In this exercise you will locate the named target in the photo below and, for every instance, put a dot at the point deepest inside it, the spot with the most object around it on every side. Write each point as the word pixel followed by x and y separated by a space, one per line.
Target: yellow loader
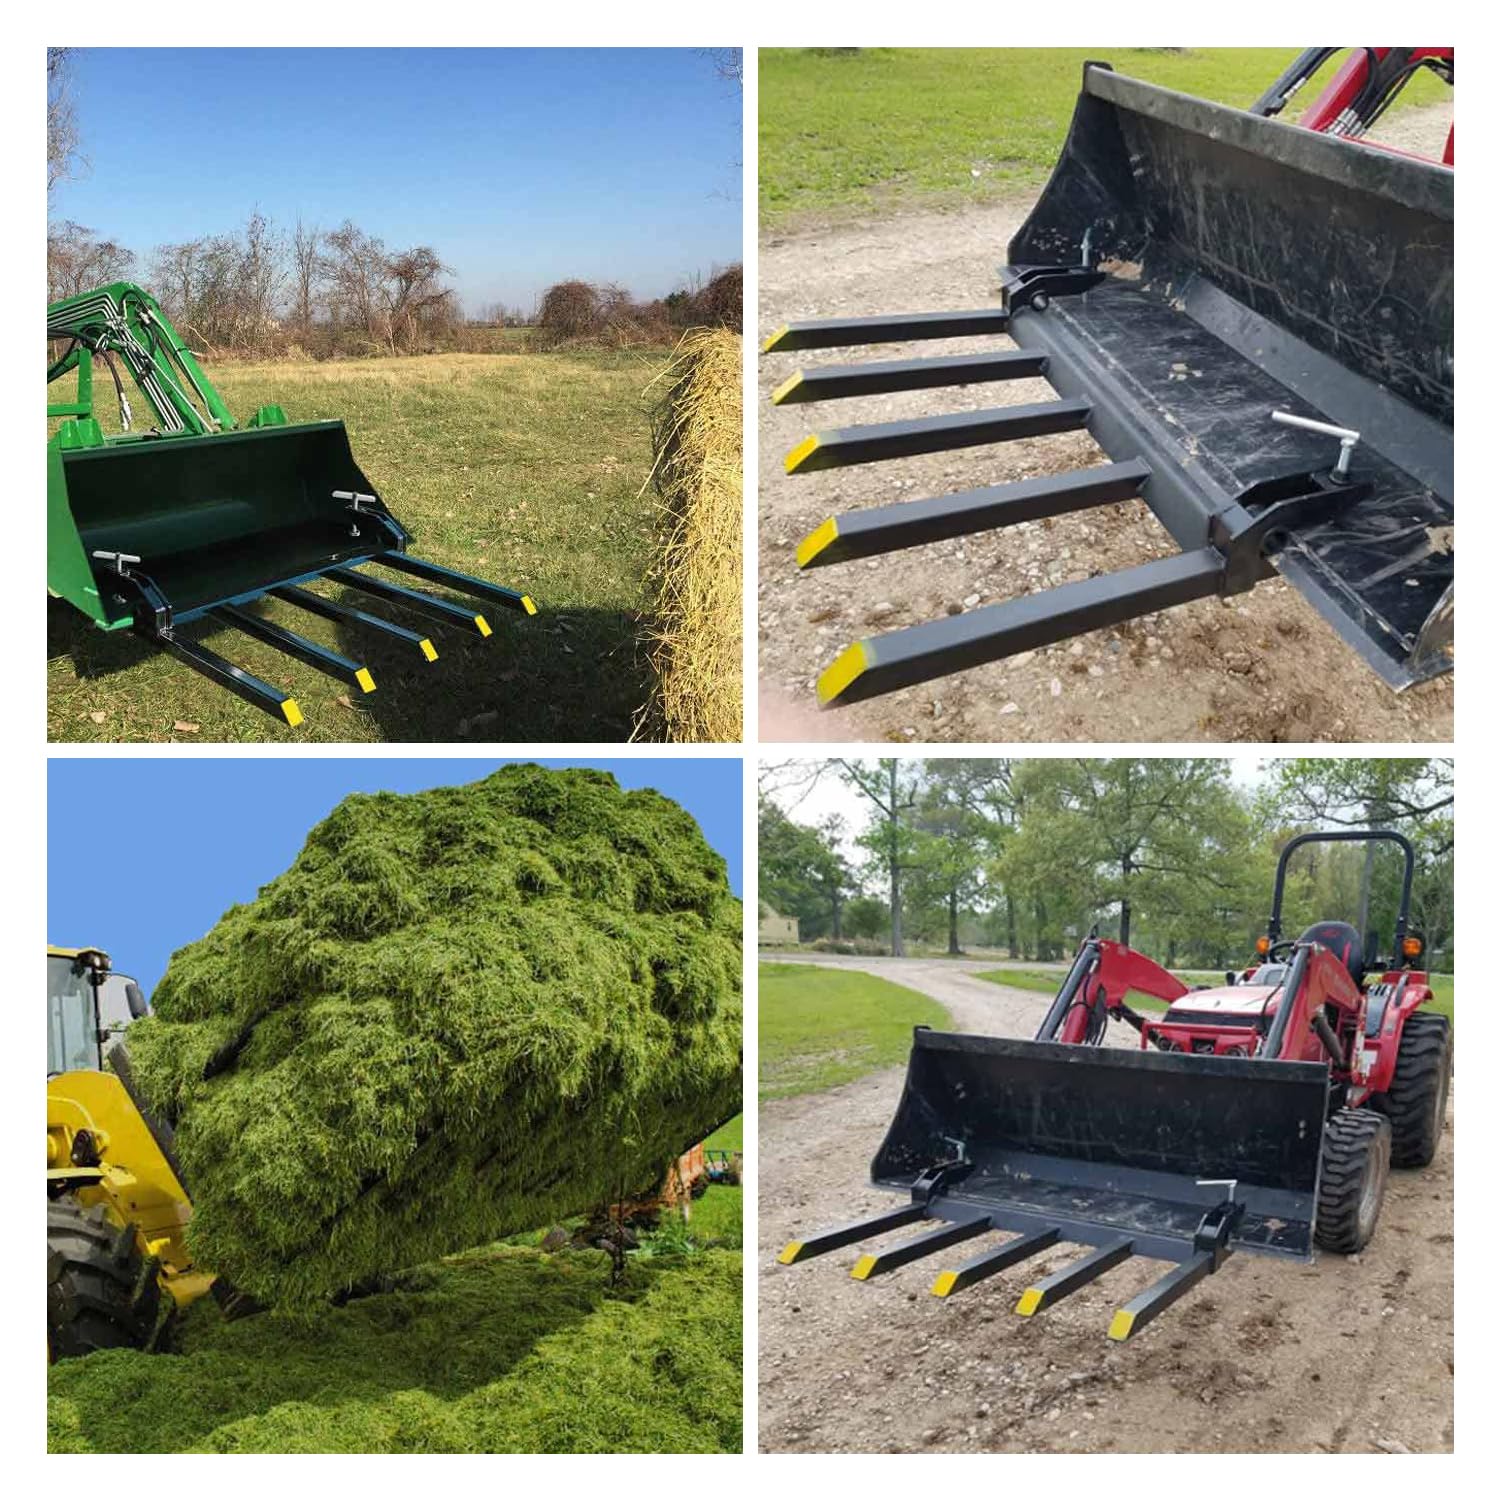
pixel 117 1208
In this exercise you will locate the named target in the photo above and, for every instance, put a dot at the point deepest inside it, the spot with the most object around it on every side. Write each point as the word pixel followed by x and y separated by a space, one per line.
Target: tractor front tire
pixel 1416 1103
pixel 101 1292
pixel 1356 1163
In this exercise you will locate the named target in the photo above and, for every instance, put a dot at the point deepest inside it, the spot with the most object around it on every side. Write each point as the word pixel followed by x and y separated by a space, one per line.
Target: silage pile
pixel 697 630
pixel 459 1015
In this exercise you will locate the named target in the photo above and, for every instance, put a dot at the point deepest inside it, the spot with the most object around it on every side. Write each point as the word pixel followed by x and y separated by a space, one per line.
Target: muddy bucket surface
pixel 213 520
pixel 1103 1141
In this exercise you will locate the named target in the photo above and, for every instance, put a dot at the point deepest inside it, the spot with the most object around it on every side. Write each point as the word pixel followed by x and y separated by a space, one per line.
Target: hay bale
pixel 696 631
pixel 459 1015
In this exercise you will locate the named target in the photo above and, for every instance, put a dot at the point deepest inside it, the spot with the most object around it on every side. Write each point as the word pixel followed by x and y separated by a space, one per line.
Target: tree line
pixel 259 291
pixel 1171 856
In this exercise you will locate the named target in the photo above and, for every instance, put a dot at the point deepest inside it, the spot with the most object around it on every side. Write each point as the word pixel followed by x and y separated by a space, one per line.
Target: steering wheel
pixel 1280 953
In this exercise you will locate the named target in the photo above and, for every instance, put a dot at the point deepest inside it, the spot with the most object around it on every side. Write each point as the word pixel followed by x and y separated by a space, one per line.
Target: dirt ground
pixel 1346 1355
pixel 1262 666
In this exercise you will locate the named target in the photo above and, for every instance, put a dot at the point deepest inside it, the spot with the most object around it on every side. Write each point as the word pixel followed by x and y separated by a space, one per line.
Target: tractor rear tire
pixel 101 1292
pixel 1356 1163
pixel 1416 1103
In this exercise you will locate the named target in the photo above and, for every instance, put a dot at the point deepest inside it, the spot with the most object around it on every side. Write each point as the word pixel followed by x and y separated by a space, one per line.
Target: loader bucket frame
pixel 197 518
pixel 1254 321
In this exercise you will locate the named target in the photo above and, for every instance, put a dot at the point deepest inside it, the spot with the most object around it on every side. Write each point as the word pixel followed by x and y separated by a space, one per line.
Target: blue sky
pixel 145 855
pixel 519 167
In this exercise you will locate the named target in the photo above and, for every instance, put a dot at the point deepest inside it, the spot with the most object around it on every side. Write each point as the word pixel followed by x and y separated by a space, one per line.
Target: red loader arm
pixel 1117 970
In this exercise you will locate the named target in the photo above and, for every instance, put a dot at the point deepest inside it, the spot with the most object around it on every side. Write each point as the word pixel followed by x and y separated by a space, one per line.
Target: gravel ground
pixel 1263 666
pixel 1345 1355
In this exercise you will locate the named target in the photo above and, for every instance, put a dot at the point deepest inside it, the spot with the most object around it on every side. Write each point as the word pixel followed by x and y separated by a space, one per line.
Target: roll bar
pixel 1347 836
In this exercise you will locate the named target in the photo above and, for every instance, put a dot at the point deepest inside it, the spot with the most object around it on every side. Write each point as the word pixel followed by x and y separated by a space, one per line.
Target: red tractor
pixel 1261 1115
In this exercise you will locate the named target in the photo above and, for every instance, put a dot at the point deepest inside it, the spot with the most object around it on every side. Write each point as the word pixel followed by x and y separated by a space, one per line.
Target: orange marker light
pixel 1262 944
pixel 1411 947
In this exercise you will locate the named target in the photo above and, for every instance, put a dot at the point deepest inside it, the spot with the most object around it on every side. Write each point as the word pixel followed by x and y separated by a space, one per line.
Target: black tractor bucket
pixel 1254 321
pixel 153 534
pixel 1157 1155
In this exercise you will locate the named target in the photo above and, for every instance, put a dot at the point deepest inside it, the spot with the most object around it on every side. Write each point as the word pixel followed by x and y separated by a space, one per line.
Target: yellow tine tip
pixel 800 453
pixel 365 681
pixel 1121 1325
pixel 482 625
pixel 785 389
pixel 840 672
pixel 790 1253
pixel 1031 1300
pixel 527 604
pixel 290 712
pixel 817 541
pixel 429 650
pixel 944 1284
pixel 863 1268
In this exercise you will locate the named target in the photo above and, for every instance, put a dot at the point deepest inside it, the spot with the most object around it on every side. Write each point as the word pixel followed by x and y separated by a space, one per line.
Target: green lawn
pixel 844 131
pixel 730 1137
pixel 718 1219
pixel 820 1027
pixel 1047 983
pixel 525 469
pixel 503 1349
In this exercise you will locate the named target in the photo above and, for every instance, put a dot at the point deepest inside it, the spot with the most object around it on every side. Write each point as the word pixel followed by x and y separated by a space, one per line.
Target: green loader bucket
pixel 212 520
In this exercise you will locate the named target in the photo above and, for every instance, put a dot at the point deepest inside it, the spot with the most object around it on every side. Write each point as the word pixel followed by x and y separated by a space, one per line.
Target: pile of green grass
pixel 499 1350
pixel 821 1026
pixel 457 1016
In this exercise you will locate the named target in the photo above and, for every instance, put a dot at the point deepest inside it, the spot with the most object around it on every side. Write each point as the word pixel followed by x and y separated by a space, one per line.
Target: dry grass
pixel 696 632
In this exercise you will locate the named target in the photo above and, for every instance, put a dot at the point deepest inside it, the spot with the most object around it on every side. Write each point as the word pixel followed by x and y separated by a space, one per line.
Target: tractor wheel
pixel 1416 1103
pixel 1356 1163
pixel 101 1292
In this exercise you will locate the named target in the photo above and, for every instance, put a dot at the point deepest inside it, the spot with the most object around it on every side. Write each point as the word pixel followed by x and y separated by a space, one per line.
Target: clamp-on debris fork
pixel 1164 286
pixel 200 519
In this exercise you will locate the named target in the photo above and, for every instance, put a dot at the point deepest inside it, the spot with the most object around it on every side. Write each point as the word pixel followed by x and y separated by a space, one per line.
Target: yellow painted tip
pixel 1031 1300
pixel 365 681
pixel 527 605
pixel 775 339
pixel 839 673
pixel 1120 1325
pixel 800 452
pixel 482 625
pixel 428 650
pixel 291 712
pixel 944 1284
pixel 791 1252
pixel 815 541
pixel 786 387
pixel 863 1267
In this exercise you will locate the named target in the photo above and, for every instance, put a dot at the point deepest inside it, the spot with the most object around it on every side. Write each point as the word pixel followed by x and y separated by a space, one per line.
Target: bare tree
pixel 62 117
pixel 78 260
pixel 414 298
pixel 354 266
pixel 307 274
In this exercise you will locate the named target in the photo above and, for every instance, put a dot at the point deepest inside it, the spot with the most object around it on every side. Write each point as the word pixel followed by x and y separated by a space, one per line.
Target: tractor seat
pixel 1343 942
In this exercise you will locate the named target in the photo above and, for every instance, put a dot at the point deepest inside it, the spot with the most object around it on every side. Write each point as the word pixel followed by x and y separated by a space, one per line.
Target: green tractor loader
pixel 193 517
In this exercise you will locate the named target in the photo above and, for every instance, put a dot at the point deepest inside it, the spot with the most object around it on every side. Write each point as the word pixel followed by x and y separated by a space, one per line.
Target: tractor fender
pixel 1386 1043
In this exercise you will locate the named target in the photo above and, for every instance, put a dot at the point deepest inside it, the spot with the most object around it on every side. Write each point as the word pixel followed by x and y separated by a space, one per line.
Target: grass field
pixel 1048 983
pixel 844 131
pixel 821 1027
pixel 503 1349
pixel 522 469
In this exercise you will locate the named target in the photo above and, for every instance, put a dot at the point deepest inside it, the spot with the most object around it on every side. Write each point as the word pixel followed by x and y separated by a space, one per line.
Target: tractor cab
pixel 88 1006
